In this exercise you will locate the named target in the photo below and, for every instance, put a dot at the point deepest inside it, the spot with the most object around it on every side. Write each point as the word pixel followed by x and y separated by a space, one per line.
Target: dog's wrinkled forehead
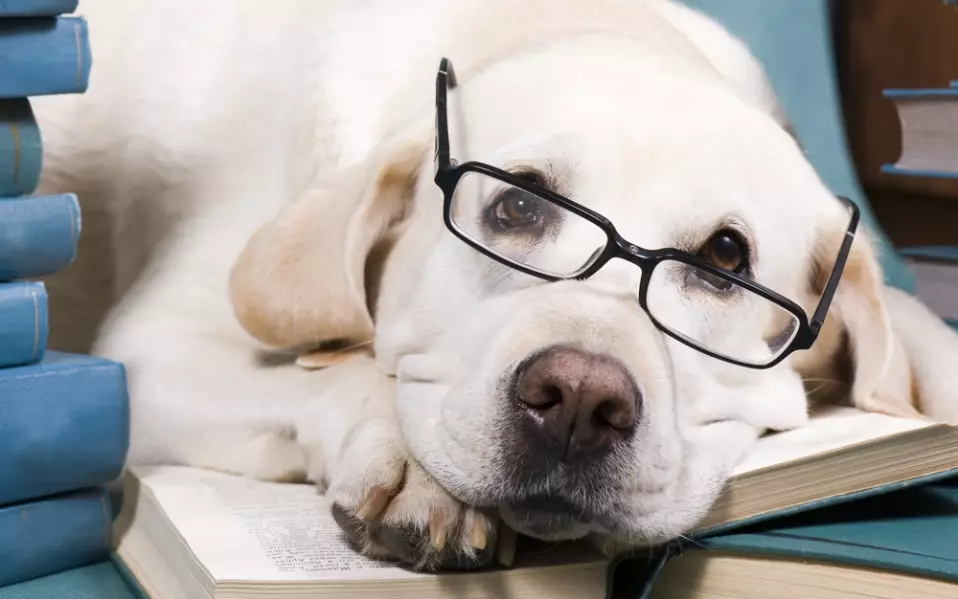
pixel 664 167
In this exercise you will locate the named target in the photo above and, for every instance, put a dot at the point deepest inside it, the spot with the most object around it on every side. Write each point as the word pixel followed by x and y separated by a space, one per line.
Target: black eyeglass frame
pixel 448 172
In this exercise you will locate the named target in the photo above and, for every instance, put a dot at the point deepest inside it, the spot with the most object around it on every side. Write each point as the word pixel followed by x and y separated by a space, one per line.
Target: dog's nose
pixel 577 404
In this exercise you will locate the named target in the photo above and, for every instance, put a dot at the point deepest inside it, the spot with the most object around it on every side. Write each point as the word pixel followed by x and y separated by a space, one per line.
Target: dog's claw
pixel 477 535
pixel 438 530
pixel 373 505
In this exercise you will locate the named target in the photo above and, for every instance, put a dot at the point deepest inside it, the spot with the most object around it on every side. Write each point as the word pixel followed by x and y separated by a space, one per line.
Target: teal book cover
pixel 44 56
pixel 21 148
pixel 36 8
pixel 912 533
pixel 39 235
pixel 102 580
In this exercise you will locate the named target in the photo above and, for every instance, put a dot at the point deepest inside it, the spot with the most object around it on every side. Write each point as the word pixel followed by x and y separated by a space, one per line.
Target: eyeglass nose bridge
pixel 625 250
pixel 618 247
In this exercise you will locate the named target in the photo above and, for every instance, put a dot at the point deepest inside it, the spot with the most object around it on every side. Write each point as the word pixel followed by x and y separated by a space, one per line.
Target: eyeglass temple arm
pixel 818 318
pixel 445 80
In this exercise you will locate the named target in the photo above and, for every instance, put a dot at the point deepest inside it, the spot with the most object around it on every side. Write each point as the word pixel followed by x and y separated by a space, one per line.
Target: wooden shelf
pixel 883 44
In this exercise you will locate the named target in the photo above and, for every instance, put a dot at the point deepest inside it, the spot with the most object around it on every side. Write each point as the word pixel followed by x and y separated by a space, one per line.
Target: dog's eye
pixel 726 250
pixel 515 209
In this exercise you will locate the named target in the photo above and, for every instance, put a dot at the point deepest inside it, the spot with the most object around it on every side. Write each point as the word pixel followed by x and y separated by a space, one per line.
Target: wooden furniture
pixel 881 44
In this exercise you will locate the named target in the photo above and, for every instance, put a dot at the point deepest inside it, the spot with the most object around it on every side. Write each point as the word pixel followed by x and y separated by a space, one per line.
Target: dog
pixel 262 184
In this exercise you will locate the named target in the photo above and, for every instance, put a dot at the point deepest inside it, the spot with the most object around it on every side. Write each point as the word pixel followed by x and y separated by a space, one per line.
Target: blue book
pixel 53 534
pixel 44 56
pixel 929 132
pixel 103 580
pixel 65 424
pixel 902 545
pixel 21 148
pixel 23 323
pixel 39 235
pixel 36 8
pixel 892 169
pixel 920 93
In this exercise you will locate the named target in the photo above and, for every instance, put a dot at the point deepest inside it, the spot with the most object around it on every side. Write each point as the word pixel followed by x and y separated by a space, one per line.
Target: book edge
pixel 920 92
pixel 884 489
pixel 894 169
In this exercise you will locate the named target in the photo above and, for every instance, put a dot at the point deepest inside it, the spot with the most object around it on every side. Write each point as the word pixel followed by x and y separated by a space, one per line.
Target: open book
pixel 186 533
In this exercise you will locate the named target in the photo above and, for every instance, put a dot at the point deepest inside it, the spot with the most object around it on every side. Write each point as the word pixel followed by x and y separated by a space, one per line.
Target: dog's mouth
pixel 548 517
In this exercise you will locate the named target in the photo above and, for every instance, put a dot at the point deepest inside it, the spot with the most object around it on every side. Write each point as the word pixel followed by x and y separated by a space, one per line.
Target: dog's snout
pixel 577 404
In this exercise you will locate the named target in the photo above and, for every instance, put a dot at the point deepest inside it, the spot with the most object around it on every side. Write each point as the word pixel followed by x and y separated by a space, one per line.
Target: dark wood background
pixel 883 44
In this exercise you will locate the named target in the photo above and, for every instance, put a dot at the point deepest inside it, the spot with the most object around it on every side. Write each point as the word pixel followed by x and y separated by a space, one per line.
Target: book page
pixel 242 529
pixel 829 429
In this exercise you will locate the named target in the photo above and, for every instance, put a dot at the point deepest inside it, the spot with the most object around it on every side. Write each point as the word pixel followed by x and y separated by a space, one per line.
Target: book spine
pixel 918 93
pixel 36 8
pixel 39 235
pixel 21 148
pixel 54 534
pixel 23 323
pixel 43 56
pixel 65 426
pixel 892 169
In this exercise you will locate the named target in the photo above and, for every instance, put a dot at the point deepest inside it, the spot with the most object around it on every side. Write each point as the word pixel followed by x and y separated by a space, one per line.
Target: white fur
pixel 204 121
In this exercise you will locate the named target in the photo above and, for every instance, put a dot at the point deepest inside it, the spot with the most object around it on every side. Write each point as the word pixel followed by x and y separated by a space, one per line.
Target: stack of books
pixel 64 418
pixel 929 133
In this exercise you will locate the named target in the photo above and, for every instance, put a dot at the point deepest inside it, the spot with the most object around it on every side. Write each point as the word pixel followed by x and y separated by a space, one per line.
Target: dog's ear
pixel 301 279
pixel 858 352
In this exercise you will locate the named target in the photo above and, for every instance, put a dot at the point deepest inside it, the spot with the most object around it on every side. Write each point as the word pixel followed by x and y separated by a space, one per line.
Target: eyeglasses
pixel 516 221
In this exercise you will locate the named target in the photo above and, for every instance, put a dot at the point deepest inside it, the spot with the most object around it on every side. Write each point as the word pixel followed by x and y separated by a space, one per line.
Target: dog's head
pixel 562 403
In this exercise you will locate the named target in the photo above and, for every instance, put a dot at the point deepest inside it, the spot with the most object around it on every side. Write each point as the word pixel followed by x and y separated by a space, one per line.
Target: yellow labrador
pixel 583 295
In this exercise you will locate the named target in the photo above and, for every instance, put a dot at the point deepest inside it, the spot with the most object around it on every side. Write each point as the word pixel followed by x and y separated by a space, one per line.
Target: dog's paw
pixel 390 508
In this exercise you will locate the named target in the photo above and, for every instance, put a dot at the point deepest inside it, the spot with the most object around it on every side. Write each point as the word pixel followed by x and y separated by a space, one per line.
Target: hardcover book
pixel 36 8
pixel 929 130
pixel 21 148
pixel 64 425
pixel 902 545
pixel 936 278
pixel 39 235
pixel 102 580
pixel 44 56
pixel 53 534
pixel 23 323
